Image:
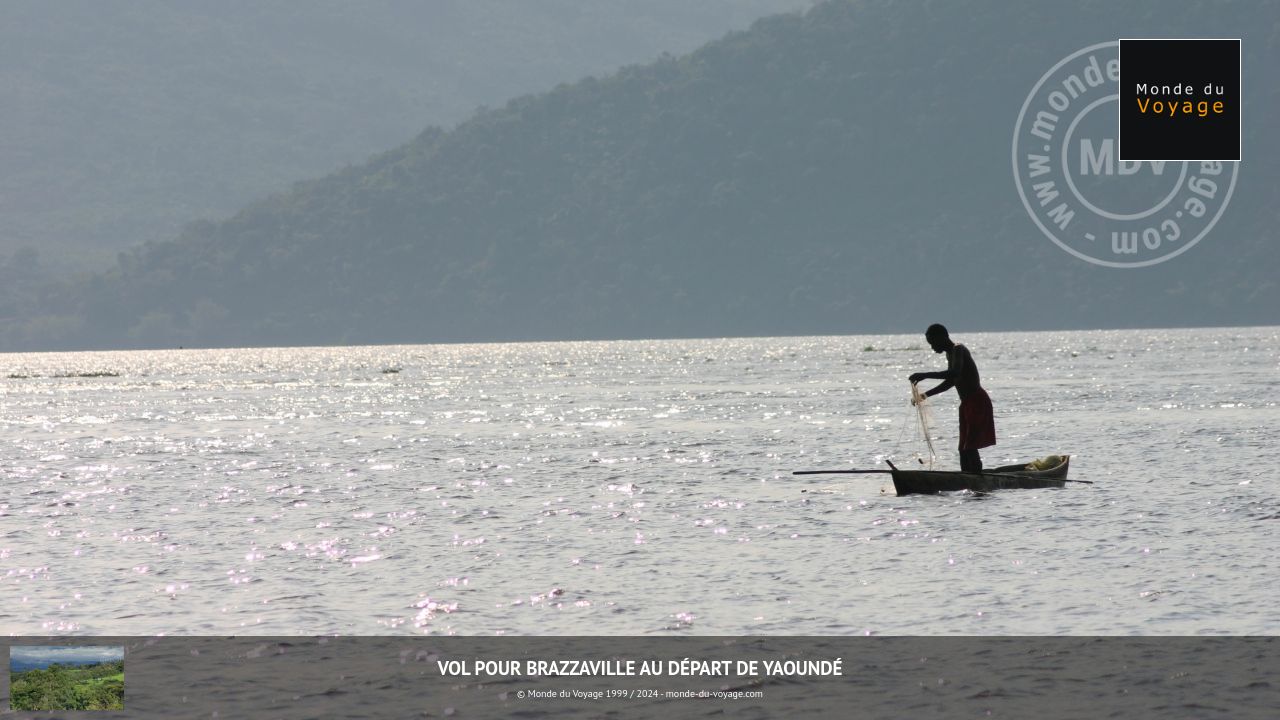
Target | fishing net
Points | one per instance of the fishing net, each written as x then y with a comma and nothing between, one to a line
924,420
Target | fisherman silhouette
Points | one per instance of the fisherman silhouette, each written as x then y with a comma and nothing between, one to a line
977,420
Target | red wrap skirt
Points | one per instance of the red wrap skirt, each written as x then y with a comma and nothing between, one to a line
977,421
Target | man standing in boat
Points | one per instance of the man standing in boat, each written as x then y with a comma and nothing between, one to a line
977,420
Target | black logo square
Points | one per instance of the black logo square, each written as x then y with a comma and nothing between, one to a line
1179,100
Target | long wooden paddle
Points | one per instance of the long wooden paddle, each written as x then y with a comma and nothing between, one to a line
840,472
847,472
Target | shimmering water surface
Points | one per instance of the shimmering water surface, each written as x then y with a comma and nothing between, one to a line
637,488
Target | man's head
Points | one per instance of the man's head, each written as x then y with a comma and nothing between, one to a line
938,338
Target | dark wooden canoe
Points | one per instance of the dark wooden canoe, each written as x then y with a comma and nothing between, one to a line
1009,477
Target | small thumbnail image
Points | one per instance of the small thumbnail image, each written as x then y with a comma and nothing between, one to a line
66,677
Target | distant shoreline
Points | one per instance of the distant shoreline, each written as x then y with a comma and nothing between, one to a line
567,341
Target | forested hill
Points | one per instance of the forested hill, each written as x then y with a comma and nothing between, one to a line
124,121
846,170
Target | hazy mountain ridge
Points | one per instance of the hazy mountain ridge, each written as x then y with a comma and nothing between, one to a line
844,171
18,665
125,121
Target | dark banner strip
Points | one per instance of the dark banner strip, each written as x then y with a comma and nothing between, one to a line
633,677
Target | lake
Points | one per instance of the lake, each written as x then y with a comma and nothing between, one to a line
637,488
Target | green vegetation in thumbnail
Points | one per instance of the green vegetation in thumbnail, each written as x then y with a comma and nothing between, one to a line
69,687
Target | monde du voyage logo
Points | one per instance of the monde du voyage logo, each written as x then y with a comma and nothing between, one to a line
1083,197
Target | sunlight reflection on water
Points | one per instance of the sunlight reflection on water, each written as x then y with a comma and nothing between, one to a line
635,487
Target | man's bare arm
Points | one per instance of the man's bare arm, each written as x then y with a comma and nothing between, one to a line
955,363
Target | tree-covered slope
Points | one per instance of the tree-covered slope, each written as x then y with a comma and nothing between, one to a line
90,686
842,171
123,121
